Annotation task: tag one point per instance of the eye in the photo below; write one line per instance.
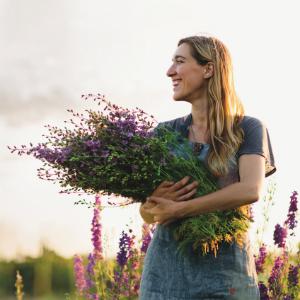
(179, 61)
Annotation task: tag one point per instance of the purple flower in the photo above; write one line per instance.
(80, 281)
(92, 145)
(293, 276)
(146, 242)
(105, 153)
(96, 230)
(287, 297)
(147, 236)
(275, 275)
(125, 244)
(263, 290)
(279, 236)
(90, 271)
(291, 221)
(259, 262)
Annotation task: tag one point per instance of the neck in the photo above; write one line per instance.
(199, 113)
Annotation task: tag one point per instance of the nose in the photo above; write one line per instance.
(171, 71)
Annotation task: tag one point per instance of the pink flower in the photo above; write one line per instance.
(96, 230)
(80, 281)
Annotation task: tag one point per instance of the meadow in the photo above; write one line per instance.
(92, 276)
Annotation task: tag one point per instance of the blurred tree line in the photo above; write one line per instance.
(47, 275)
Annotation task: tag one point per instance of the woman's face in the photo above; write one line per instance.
(188, 77)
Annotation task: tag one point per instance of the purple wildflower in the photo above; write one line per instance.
(259, 262)
(146, 237)
(279, 236)
(287, 297)
(80, 281)
(291, 221)
(105, 153)
(293, 276)
(275, 275)
(96, 230)
(146, 242)
(92, 145)
(125, 245)
(263, 290)
(90, 271)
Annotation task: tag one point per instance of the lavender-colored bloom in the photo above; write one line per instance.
(263, 290)
(147, 236)
(259, 262)
(279, 236)
(291, 221)
(80, 280)
(96, 230)
(287, 297)
(125, 244)
(146, 242)
(105, 153)
(90, 271)
(92, 145)
(63, 155)
(50, 155)
(293, 276)
(275, 275)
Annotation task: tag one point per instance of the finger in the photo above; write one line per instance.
(179, 184)
(187, 196)
(166, 183)
(155, 199)
(187, 188)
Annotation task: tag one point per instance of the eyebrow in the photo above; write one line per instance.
(178, 56)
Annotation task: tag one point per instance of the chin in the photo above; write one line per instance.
(178, 97)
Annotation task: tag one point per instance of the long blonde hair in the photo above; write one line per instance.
(225, 110)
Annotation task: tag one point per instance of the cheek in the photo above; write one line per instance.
(195, 80)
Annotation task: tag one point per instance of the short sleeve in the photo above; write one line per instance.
(257, 141)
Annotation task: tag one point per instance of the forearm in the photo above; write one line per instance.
(229, 197)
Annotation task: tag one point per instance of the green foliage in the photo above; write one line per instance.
(48, 274)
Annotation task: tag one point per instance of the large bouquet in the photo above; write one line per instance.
(116, 151)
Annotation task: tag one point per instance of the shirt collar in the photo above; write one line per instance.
(185, 124)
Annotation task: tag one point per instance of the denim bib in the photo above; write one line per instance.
(168, 275)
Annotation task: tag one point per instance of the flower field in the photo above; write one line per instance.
(94, 277)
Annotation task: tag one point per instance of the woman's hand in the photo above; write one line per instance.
(179, 191)
(169, 193)
(147, 217)
(162, 210)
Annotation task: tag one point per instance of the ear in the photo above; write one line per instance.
(209, 70)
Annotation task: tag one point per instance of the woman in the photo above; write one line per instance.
(236, 148)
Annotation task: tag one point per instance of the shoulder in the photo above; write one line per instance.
(176, 124)
(249, 122)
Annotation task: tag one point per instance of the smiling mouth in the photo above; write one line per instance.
(176, 82)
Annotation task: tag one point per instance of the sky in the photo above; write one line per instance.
(54, 51)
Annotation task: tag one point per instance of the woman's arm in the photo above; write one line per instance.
(179, 191)
(248, 190)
